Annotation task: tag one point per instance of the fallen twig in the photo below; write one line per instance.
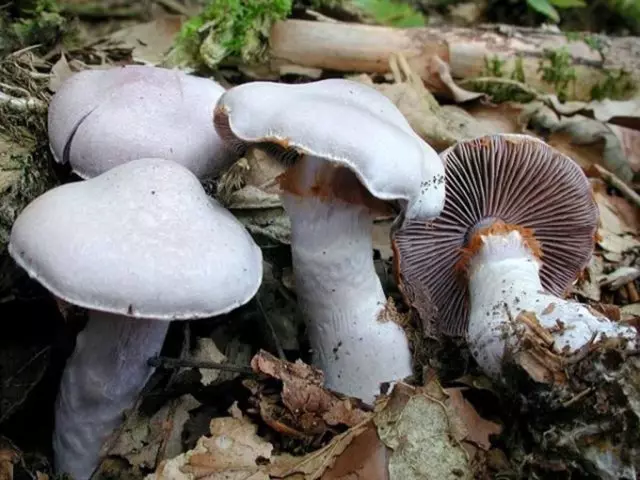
(22, 104)
(168, 362)
(617, 183)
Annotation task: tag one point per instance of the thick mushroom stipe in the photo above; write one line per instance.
(355, 339)
(517, 180)
(350, 154)
(99, 119)
(139, 246)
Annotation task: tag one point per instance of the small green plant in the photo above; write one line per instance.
(548, 8)
(493, 67)
(557, 70)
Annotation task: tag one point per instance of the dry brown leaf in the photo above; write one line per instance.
(60, 72)
(441, 80)
(313, 465)
(479, 430)
(303, 393)
(150, 41)
(365, 458)
(207, 351)
(612, 312)
(233, 452)
(144, 441)
(630, 313)
(630, 142)
(439, 126)
(589, 284)
(501, 118)
(8, 458)
(620, 277)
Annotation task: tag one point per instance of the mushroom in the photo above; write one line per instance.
(102, 118)
(139, 246)
(518, 226)
(350, 154)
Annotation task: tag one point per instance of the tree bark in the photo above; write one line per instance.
(349, 47)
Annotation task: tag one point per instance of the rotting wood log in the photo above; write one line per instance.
(594, 60)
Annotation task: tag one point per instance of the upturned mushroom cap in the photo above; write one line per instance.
(344, 122)
(518, 180)
(142, 240)
(102, 118)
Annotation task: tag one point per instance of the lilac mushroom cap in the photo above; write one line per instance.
(139, 246)
(102, 118)
(518, 180)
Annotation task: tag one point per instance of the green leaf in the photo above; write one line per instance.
(568, 3)
(545, 8)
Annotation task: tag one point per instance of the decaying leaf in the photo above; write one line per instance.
(9, 456)
(479, 430)
(440, 126)
(145, 441)
(307, 402)
(149, 42)
(620, 277)
(207, 351)
(441, 80)
(233, 452)
(424, 442)
(589, 284)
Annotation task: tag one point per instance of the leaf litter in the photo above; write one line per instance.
(282, 423)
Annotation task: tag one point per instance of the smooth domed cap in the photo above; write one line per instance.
(99, 119)
(143, 240)
(517, 179)
(344, 122)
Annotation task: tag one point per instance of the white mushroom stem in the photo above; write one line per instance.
(101, 381)
(504, 281)
(353, 336)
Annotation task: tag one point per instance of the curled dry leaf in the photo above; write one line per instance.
(479, 429)
(144, 441)
(440, 80)
(440, 126)
(620, 277)
(619, 221)
(233, 452)
(304, 397)
(9, 456)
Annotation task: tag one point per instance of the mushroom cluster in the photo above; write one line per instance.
(138, 242)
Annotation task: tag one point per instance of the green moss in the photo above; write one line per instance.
(617, 85)
(228, 29)
(557, 70)
(391, 12)
(39, 23)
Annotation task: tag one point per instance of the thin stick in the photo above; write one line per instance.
(168, 362)
(22, 104)
(278, 346)
(616, 182)
(174, 7)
